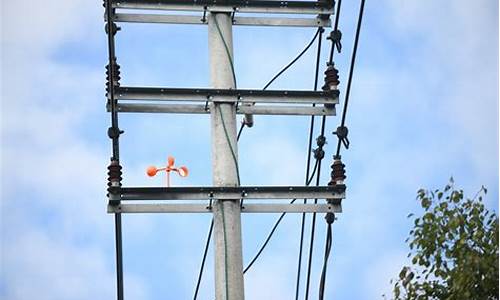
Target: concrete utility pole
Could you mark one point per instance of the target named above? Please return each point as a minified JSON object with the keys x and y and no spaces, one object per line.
{"x":227,"y":215}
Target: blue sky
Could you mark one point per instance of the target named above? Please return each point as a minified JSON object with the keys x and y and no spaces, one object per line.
{"x":424,"y":107}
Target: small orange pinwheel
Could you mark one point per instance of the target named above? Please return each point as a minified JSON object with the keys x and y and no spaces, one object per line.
{"x":182,"y":171}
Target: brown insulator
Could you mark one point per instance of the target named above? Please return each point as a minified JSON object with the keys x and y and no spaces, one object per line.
{"x":338,"y":172}
{"x":114,"y":176}
{"x":116,"y":75}
{"x":331,"y":78}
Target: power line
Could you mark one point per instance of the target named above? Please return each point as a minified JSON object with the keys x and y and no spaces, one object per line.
{"x":351,"y":71}
{"x":291,"y":63}
{"x":205,"y":252}
{"x":271,"y":233}
{"x":330,"y":217}
{"x":318,"y":164}
{"x":328,"y":247}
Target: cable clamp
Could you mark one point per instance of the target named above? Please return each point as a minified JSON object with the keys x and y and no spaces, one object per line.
{"x":342,"y":133}
{"x":114,"y":28}
{"x":336,"y":37}
{"x":114,"y":132}
{"x":330,"y":218}
{"x":321,"y":141}
{"x":319,"y":153}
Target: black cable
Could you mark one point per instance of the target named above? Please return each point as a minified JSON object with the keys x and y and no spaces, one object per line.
{"x":268,"y":238}
{"x":119,"y":255}
{"x":351,"y":71}
{"x":240,"y":131}
{"x":111,"y":29}
{"x":330,"y":217}
{"x":318,"y":162}
{"x":328,"y":248}
{"x":284,"y":69}
{"x":207,"y":245}
{"x":294,"y":60}
{"x":318,"y":173}
{"x":335,"y":28}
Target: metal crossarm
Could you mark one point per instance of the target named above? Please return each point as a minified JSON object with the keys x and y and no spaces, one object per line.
{"x":268,"y":102}
{"x":322,"y":10}
{"x":203,"y":208}
{"x":332,"y":194}
{"x":322,"y":7}
{"x":227,"y":95}
{"x":244,"y":21}
{"x":223,"y":193}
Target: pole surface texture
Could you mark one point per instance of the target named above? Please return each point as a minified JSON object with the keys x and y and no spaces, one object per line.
{"x":227,"y":215}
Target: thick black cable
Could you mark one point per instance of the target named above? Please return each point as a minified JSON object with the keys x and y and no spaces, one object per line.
{"x":240,"y":131}
{"x":335,"y":28}
{"x":328,"y":248}
{"x":111,"y":29}
{"x":119,"y":255}
{"x":294,"y":60}
{"x":115,"y":144}
{"x":318,"y":162}
{"x":284,"y":69}
{"x":318,"y":173}
{"x":313,"y":221}
{"x":328,"y":242}
{"x":271,"y":233}
{"x":351,"y":71}
{"x":303,"y":221}
{"x":207,"y":245}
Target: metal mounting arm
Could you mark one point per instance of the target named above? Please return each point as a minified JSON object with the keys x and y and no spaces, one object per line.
{"x":333,"y":195}
{"x":322,"y":9}
{"x":180,"y":100}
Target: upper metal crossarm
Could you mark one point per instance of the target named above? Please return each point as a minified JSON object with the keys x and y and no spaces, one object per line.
{"x":226,"y":95}
{"x":238,"y":21}
{"x":332,"y":193}
{"x":321,"y":7}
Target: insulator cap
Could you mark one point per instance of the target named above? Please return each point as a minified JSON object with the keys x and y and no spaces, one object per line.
{"x":331,"y":78}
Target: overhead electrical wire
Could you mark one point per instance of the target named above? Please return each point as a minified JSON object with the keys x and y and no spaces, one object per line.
{"x":318,"y":174}
{"x":291,"y":63}
{"x":351,"y":71}
{"x":330,"y":217}
{"x":275,"y":226}
{"x":114,"y":133}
